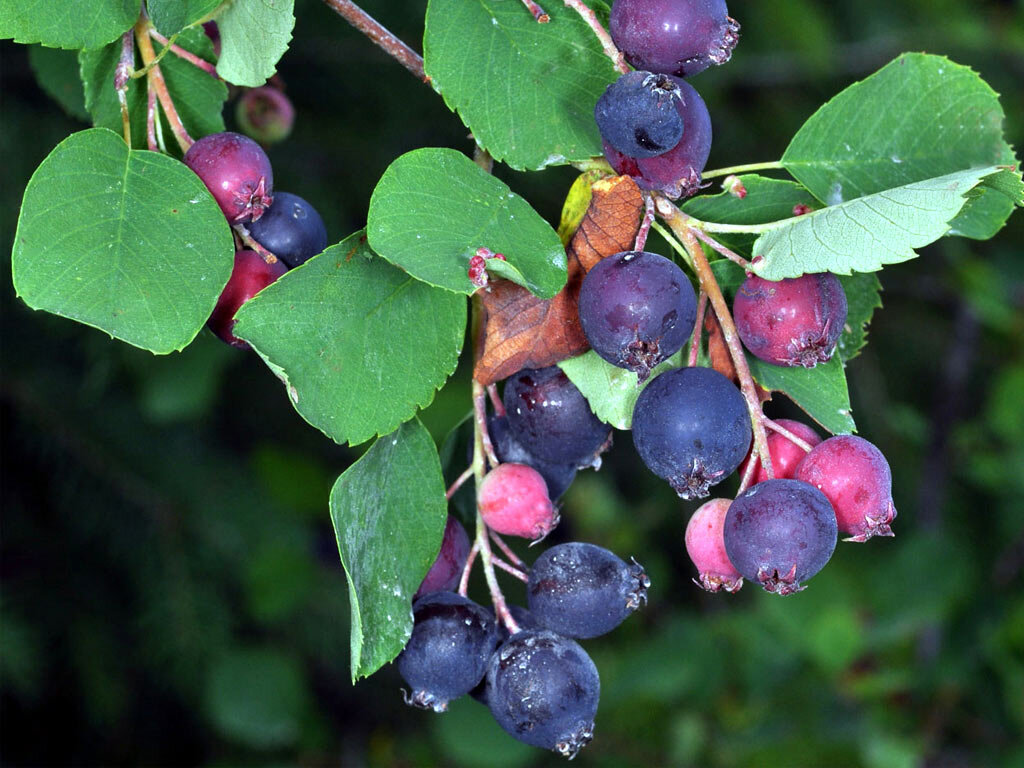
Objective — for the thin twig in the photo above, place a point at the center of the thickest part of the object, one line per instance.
(467, 568)
(645, 224)
(729, 254)
(509, 568)
(774, 426)
(181, 53)
(715, 172)
(748, 474)
(678, 222)
(248, 239)
(379, 34)
(480, 415)
(155, 80)
(507, 550)
(698, 329)
(122, 74)
(454, 487)
(492, 393)
(151, 141)
(603, 37)
(537, 11)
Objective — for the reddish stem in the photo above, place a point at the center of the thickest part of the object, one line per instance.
(492, 393)
(509, 568)
(467, 568)
(122, 74)
(468, 473)
(380, 35)
(181, 53)
(698, 329)
(537, 11)
(155, 80)
(730, 255)
(245, 237)
(151, 121)
(645, 224)
(605, 39)
(507, 550)
(480, 414)
(796, 440)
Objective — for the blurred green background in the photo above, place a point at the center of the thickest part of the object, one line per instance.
(171, 590)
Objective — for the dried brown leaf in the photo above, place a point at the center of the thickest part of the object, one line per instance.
(520, 330)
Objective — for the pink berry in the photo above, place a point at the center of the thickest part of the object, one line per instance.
(446, 571)
(265, 114)
(796, 321)
(785, 453)
(237, 172)
(705, 544)
(250, 275)
(514, 500)
(855, 477)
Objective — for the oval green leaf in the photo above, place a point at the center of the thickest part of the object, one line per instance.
(67, 23)
(126, 241)
(526, 90)
(359, 344)
(254, 36)
(433, 208)
(389, 512)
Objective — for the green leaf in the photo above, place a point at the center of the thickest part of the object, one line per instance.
(67, 23)
(611, 391)
(359, 343)
(126, 241)
(862, 298)
(172, 16)
(57, 74)
(254, 35)
(821, 391)
(864, 234)
(433, 208)
(199, 98)
(526, 90)
(919, 117)
(389, 512)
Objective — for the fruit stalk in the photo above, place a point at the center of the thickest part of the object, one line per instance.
(698, 329)
(156, 82)
(122, 75)
(380, 35)
(245, 237)
(537, 12)
(181, 53)
(603, 37)
(793, 438)
(735, 169)
(678, 222)
(718, 247)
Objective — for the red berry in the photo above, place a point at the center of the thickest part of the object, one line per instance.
(855, 477)
(237, 172)
(265, 114)
(250, 275)
(796, 321)
(785, 453)
(514, 500)
(705, 545)
(446, 571)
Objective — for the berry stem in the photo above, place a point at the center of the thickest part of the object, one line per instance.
(155, 81)
(122, 75)
(380, 35)
(245, 237)
(645, 224)
(507, 551)
(605, 39)
(698, 329)
(797, 441)
(181, 53)
(483, 158)
(772, 165)
(492, 393)
(467, 569)
(151, 141)
(717, 246)
(468, 473)
(680, 224)
(509, 568)
(480, 417)
(674, 244)
(537, 11)
(748, 476)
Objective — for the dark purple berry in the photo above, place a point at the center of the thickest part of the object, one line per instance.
(581, 590)
(543, 689)
(265, 114)
(855, 477)
(678, 37)
(291, 229)
(676, 173)
(551, 419)
(237, 172)
(446, 571)
(796, 321)
(452, 640)
(780, 533)
(558, 477)
(250, 275)
(637, 309)
(638, 115)
(691, 427)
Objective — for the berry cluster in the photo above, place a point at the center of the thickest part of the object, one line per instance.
(654, 125)
(527, 667)
(286, 229)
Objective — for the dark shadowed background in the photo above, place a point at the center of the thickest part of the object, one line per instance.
(171, 589)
